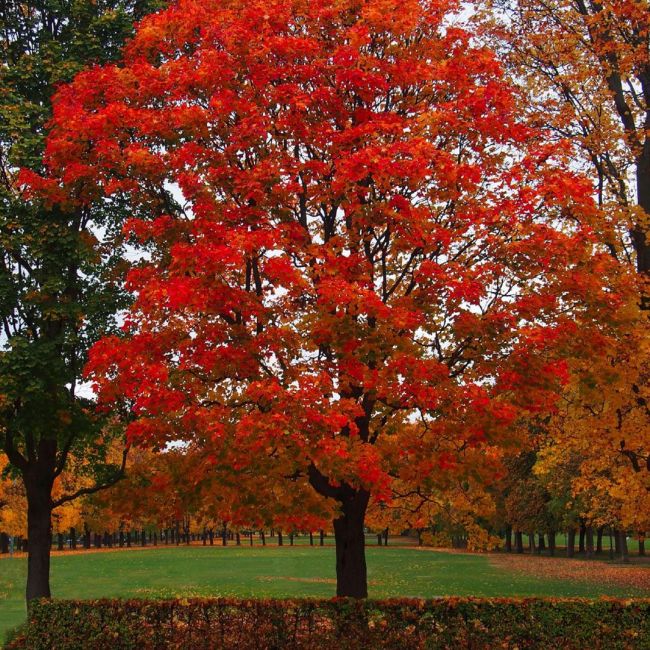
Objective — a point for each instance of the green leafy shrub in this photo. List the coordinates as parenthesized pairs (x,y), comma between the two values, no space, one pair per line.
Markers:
(339,623)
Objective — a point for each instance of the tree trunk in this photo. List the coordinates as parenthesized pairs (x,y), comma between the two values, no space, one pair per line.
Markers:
(263,538)
(571,543)
(4,543)
(599,539)
(322,537)
(379,539)
(519,542)
(541,544)
(311,538)
(508,540)
(581,542)
(551,543)
(280,539)
(641,544)
(351,572)
(386,537)
(622,544)
(589,541)
(39,534)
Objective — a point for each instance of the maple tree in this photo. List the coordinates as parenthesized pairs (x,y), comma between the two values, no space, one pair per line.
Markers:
(58,290)
(358,266)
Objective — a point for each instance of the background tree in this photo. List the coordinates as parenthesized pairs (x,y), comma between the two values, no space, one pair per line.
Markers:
(366,237)
(584,73)
(59,288)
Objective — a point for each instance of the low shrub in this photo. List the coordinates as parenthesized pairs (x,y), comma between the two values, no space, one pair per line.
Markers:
(340,623)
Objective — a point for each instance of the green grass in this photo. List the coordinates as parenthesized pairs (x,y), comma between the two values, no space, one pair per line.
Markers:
(274,572)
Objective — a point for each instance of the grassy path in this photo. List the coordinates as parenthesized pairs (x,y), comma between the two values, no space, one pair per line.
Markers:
(298,571)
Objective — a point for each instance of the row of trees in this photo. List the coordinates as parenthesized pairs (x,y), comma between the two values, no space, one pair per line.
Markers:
(368,270)
(528,507)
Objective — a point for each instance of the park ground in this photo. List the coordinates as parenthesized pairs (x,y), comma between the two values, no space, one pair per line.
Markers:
(393,571)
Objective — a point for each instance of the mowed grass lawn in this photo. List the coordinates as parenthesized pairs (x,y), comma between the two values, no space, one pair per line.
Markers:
(279,572)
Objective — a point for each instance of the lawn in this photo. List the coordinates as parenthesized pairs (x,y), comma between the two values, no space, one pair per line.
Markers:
(276,572)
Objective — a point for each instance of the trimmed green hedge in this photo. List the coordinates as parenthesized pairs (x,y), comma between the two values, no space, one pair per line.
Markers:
(340,623)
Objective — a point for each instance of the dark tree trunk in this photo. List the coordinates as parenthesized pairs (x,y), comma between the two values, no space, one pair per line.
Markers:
(571,543)
(541,544)
(508,538)
(290,539)
(551,543)
(589,541)
(622,544)
(519,542)
(599,539)
(351,572)
(73,539)
(639,232)
(143,538)
(379,538)
(128,539)
(4,543)
(311,538)
(238,539)
(386,537)
(322,537)
(581,541)
(263,538)
(39,534)
(641,544)
(224,536)
(59,541)
(280,539)
(531,542)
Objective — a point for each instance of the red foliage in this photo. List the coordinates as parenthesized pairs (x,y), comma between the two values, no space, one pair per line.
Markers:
(374,260)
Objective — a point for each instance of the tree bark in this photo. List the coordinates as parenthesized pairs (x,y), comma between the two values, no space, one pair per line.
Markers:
(508,540)
(599,539)
(519,542)
(39,534)
(571,542)
(589,541)
(641,544)
(622,544)
(581,542)
(4,543)
(551,543)
(351,571)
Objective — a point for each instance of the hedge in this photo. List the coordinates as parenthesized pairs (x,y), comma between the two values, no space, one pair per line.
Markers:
(340,623)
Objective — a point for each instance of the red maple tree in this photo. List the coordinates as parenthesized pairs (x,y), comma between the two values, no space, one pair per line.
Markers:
(358,260)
